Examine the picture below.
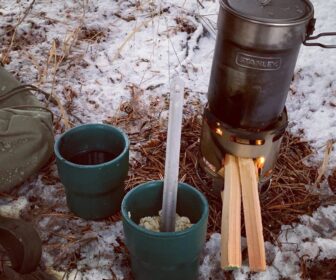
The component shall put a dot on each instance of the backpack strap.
(28, 88)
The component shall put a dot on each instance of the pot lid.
(282, 11)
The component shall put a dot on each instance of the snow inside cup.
(172, 255)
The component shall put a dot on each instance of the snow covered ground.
(99, 55)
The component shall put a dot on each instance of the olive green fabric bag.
(26, 132)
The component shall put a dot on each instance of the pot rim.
(96, 125)
(271, 23)
(164, 235)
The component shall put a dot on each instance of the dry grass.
(5, 59)
(284, 200)
(332, 181)
(60, 51)
(287, 197)
(317, 270)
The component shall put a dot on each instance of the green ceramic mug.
(164, 255)
(92, 162)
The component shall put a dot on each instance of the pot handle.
(310, 38)
(310, 31)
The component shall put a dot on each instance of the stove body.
(219, 138)
(256, 51)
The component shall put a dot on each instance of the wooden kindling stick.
(252, 215)
(231, 257)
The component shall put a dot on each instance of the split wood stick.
(252, 215)
(231, 221)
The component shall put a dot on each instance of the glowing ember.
(219, 131)
(259, 143)
(260, 162)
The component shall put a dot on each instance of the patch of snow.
(327, 248)
(12, 209)
(288, 264)
(210, 265)
(132, 51)
(314, 238)
(310, 103)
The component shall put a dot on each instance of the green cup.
(164, 255)
(92, 162)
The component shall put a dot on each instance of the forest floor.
(112, 62)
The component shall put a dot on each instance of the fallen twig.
(5, 56)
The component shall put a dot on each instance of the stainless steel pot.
(257, 46)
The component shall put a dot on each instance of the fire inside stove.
(219, 138)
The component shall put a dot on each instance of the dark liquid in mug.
(92, 157)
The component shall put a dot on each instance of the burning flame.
(259, 143)
(219, 131)
(260, 162)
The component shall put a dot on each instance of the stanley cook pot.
(257, 46)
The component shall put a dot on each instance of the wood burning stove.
(219, 138)
(257, 45)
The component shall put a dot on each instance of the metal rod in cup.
(172, 156)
